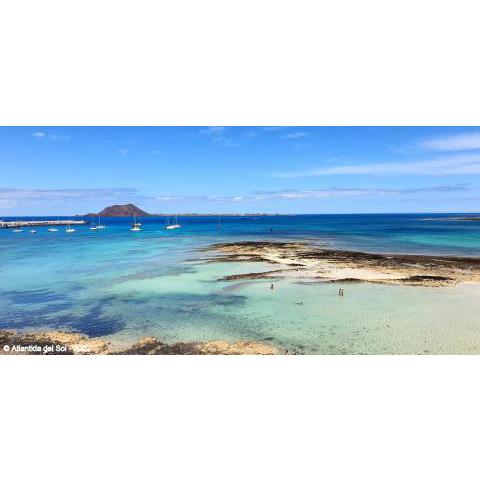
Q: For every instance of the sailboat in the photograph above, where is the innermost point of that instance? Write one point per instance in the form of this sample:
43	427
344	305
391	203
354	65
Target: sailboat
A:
174	225
100	226
69	229
93	226
53	229
135	225
33	230
18	229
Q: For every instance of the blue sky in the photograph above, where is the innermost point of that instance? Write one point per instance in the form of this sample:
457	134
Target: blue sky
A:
69	170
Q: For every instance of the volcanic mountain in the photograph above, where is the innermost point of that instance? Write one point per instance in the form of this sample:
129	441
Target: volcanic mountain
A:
120	211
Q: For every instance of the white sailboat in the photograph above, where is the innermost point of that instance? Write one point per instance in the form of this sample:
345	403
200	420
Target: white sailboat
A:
93	226
33	231
135	226
18	229
69	229
53	229
100	226
172	226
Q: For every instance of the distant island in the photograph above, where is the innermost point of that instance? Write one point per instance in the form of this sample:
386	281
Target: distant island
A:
120	211
130	209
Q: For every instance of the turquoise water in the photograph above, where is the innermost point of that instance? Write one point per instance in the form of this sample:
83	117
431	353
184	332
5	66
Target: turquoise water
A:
125	285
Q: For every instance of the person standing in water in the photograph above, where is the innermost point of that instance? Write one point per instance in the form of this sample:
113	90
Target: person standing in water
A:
272	286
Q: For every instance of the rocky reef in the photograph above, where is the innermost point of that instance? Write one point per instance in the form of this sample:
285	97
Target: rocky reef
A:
65	343
313	263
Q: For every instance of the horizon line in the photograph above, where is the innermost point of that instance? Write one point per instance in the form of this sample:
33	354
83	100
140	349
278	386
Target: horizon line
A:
249	214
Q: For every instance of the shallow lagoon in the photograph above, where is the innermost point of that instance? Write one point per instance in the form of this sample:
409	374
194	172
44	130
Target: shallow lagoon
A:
124	286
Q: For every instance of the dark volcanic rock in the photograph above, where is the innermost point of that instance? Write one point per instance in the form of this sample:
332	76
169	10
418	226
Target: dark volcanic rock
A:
120	211
244	276
428	278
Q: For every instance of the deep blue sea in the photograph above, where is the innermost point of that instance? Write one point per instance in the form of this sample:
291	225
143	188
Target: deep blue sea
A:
124	285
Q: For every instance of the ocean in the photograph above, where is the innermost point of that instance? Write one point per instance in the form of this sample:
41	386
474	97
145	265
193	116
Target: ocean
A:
125	285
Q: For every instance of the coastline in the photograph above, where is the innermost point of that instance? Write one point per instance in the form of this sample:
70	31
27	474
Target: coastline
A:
300	263
67	343
308	262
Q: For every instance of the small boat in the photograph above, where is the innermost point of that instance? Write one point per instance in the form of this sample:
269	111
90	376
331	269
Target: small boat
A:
33	231
100	226
174	225
69	229
16	230
218	224
135	226
53	229
93	226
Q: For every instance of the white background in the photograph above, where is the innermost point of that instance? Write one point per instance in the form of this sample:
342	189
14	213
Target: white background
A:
239	63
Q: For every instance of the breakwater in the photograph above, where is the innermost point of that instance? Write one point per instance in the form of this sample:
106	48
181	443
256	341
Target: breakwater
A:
39	223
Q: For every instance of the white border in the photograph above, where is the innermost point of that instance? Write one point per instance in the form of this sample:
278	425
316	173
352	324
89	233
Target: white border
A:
255	62
240	417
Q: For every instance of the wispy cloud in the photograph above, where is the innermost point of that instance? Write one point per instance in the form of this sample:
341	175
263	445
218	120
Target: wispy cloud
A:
171	198
222	141
292	194
74	198
13	197
462	141
349	192
123	151
212	131
294	135
53	137
451	165
219	138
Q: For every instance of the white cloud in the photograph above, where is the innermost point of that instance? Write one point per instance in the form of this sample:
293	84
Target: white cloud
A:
294	135
452	165
348	192
5	204
16	197
169	198
463	141
123	151
319	193
53	137
218	137
213	131
222	141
